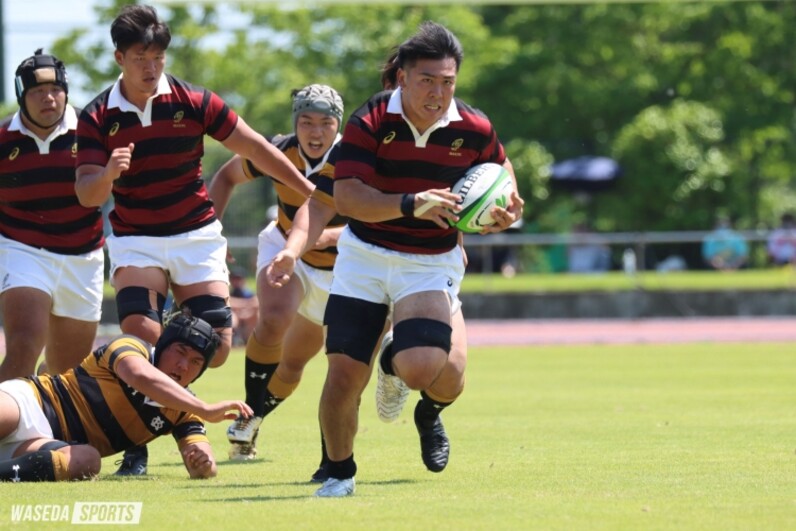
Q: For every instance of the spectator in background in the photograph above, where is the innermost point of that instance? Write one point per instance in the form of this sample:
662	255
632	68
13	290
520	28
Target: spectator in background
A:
782	241
588	253
244	306
725	249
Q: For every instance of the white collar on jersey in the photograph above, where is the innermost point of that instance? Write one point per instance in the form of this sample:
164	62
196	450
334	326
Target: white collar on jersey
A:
117	100
395	106
68	123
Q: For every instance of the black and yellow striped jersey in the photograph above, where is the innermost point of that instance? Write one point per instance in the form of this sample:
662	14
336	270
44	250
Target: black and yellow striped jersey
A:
289	200
92	405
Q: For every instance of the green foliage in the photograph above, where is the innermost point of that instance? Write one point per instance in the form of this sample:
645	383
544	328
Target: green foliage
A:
673	164
558	81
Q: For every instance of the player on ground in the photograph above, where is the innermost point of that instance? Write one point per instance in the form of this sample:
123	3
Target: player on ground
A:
51	258
126	393
142	140
289	329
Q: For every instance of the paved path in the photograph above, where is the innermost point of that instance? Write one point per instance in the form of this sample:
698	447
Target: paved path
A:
622	331
607	331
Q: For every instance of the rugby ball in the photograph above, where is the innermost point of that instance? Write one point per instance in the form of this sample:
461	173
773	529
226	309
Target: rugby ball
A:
483	187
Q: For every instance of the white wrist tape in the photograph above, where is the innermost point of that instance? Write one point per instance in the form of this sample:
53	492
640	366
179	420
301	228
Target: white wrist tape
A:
431	200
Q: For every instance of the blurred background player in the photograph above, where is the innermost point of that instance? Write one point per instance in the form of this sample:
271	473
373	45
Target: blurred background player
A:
289	329
243	302
55	428
51	258
142	140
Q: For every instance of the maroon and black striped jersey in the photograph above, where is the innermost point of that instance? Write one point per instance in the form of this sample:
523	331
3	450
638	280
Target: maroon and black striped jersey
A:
380	148
163	192
38	204
288	200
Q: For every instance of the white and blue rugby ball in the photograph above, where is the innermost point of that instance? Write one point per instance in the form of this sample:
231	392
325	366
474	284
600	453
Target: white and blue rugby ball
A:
482	188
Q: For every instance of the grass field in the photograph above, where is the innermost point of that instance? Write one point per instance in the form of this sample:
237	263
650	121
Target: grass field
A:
603	437
772	278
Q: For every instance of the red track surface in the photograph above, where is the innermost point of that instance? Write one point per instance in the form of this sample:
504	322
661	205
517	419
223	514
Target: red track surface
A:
608	331
618	331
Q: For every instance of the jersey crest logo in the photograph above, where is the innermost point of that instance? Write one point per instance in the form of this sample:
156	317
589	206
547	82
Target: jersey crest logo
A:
114	129
455	145
157	423
74	150
178	116
14	153
389	138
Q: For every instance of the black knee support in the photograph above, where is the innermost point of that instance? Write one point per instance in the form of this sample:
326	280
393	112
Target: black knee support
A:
137	300
210	308
353	326
53	446
420	332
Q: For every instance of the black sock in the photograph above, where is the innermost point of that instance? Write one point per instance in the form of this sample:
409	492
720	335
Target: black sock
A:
256	383
428	410
270	402
35	466
386	360
137	450
324	455
344	469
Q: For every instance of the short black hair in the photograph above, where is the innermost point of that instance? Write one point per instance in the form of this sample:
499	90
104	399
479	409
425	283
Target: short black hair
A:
432	41
139	24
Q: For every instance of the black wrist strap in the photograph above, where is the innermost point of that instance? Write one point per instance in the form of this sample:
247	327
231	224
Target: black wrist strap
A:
408	205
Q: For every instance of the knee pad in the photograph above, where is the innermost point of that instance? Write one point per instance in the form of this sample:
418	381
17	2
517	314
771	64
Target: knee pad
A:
210	308
353	326
136	300
420	332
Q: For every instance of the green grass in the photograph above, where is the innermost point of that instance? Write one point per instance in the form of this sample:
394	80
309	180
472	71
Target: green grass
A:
753	279
604	437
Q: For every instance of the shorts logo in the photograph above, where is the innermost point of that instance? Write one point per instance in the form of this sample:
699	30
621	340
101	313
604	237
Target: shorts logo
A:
389	138
450	282
14	153
114	129
5	281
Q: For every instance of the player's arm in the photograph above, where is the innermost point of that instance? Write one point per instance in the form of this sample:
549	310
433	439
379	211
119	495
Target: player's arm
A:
224	182
199	460
328	238
94	183
506	217
355	199
251	145
308	224
138	373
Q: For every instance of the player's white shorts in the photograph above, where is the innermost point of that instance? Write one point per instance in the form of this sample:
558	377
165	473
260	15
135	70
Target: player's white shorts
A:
73	282
375	274
32	422
196	256
316	282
